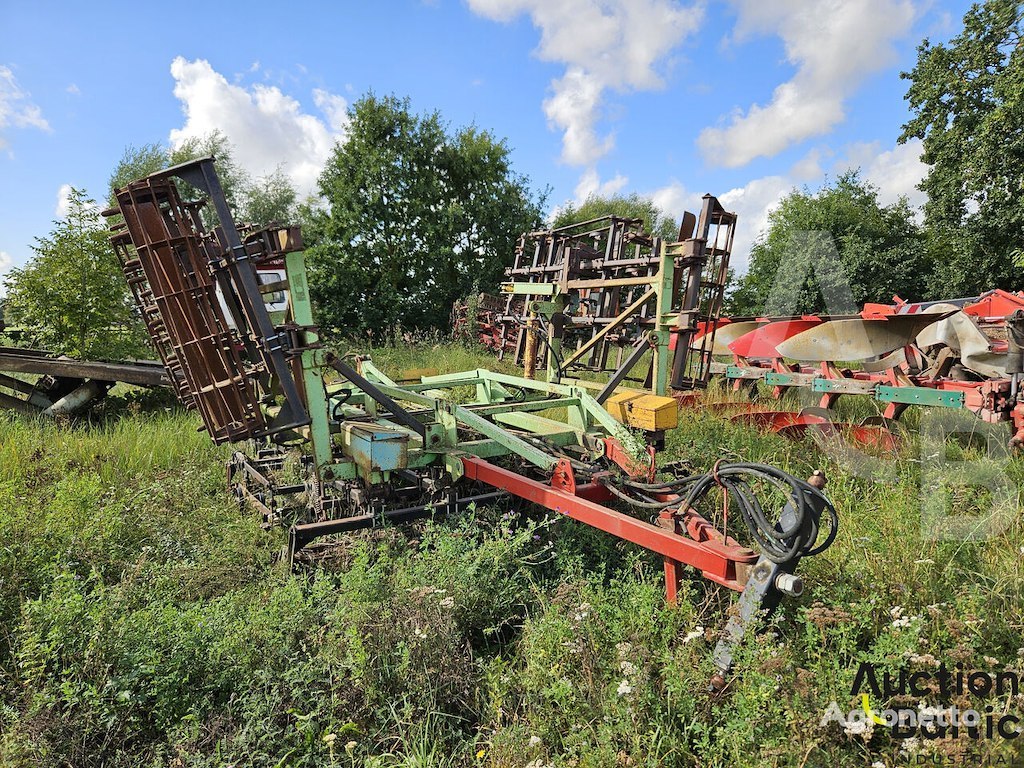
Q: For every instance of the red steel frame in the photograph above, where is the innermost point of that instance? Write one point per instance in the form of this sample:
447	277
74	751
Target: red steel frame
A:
718	557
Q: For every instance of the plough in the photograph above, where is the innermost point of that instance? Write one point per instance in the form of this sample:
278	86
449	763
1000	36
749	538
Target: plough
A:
963	353
605	288
373	452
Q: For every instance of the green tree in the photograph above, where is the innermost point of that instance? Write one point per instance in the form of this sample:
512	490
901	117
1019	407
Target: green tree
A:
233	179
270	200
71	296
267	200
135	163
415	217
631	206
967	99
838	242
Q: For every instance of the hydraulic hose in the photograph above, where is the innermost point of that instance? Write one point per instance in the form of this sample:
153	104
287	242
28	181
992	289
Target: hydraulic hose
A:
780	538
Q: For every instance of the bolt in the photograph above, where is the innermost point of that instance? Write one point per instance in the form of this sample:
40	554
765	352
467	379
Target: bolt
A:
789	584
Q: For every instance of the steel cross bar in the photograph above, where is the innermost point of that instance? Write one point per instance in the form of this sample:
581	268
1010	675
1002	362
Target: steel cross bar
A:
487	428
716	561
398	413
615	323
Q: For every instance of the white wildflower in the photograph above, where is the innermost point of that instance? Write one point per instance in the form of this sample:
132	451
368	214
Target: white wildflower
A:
858	726
624	688
582	612
691	636
627	668
535	741
991	661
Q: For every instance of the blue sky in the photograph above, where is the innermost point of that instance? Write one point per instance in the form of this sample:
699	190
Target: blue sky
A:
744	99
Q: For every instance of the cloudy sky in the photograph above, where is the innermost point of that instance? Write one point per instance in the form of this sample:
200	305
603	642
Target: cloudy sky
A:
741	98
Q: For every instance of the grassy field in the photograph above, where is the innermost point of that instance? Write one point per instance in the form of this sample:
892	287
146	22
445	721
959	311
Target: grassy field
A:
144	622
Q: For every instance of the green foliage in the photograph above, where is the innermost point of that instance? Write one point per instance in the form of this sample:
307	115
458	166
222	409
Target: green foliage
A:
832	250
135	163
624	206
967	99
71	296
416	216
267	200
270	200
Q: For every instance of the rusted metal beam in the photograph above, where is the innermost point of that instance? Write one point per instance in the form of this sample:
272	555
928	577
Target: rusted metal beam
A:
147	374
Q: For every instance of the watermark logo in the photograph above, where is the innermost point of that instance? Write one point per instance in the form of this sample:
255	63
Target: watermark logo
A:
984	722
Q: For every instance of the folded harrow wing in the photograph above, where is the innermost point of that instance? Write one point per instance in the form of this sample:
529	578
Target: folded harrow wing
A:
373	451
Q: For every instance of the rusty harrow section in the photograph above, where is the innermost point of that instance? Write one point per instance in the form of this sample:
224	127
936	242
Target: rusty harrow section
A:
199	312
604	296
595	252
131	266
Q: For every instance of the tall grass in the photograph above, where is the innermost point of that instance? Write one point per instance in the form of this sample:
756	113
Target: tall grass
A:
145	623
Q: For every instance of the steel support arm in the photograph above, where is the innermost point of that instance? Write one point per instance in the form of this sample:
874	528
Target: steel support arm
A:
715	560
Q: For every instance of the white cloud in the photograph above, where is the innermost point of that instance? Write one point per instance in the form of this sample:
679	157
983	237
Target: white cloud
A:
590	184
6	262
266	127
74	90
16	110
674	198
752	203
63	207
896	172
809	166
834	45
334	107
604	44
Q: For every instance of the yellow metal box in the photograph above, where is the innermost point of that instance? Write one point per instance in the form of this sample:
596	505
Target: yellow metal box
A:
618	404
652	413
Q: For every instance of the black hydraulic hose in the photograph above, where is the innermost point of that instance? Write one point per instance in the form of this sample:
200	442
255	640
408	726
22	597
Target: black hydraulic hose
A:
779	542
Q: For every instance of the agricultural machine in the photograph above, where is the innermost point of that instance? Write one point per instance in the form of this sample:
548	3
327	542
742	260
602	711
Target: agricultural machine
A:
961	354
373	451
589	296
